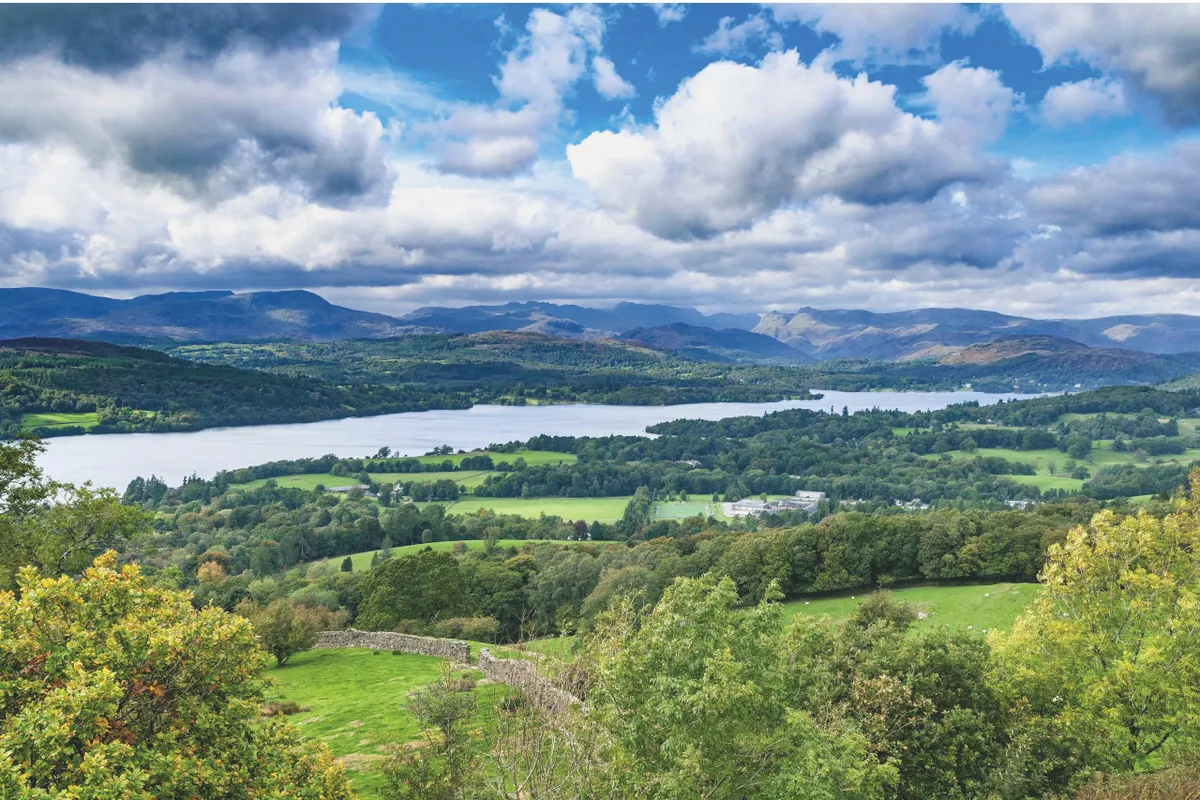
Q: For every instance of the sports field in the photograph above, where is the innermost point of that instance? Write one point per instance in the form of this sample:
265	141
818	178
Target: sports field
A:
685	509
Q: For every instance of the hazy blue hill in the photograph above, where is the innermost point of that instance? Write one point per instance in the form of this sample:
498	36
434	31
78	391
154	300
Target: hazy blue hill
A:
186	316
935	332
594	321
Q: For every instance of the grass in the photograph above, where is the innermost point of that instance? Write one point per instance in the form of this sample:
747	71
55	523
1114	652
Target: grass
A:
979	607
85	420
356	703
1102	456
468	478
588	509
533	458
1045	482
685	509
901	431
362	561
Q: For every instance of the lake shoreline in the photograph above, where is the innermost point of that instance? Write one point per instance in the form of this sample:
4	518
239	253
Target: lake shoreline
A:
115	459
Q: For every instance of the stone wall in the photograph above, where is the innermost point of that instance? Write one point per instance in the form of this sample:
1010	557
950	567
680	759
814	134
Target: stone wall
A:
459	652
524	675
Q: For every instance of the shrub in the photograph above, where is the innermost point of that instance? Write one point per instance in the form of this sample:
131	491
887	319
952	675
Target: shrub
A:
480	629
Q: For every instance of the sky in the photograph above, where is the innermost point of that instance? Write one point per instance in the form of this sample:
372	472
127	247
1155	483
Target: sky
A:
1038	160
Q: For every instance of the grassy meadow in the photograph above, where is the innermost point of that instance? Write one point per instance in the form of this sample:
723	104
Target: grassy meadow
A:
355	703
85	420
1102	455
588	509
977	607
362	561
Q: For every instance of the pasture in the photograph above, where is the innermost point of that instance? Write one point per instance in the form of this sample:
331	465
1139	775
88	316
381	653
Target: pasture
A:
1049	462
989	607
355	703
362	561
468	478
588	509
85	420
533	458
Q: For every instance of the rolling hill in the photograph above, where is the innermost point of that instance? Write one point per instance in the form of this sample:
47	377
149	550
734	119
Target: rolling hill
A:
187	316
728	345
934	332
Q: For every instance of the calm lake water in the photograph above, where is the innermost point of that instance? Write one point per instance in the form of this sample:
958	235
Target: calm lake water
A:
115	459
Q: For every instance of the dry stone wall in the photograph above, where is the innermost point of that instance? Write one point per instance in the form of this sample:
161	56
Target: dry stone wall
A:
459	652
524	675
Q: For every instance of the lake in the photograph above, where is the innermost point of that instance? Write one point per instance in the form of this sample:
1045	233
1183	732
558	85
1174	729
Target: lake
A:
115	459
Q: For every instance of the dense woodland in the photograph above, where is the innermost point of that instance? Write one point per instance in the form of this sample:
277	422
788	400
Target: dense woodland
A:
131	389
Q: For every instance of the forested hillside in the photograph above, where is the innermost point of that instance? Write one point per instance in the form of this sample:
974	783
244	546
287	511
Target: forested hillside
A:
61	387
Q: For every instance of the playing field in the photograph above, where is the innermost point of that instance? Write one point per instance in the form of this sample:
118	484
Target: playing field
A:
84	420
683	510
356	703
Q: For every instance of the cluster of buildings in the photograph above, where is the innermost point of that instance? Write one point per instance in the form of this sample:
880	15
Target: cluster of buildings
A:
752	507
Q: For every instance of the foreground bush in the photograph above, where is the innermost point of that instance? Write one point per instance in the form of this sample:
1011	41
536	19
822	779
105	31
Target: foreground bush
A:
111	688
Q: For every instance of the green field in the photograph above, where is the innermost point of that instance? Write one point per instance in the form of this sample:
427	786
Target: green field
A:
978	607
1102	455
683	510
588	509
533	458
468	478
362	561
1045	482
87	419
356	702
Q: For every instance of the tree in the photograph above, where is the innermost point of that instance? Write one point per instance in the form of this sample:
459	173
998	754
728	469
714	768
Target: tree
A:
423	587
113	688
695	699
1108	656
283	628
54	527
442	767
347	564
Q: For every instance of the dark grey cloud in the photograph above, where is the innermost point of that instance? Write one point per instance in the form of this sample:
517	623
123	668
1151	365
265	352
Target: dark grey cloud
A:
121	36
215	129
1127	195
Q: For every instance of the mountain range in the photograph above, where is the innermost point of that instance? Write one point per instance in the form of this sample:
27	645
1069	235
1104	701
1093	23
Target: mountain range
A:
808	335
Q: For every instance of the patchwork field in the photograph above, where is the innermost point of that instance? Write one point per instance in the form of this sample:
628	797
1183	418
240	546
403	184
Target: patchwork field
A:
1102	455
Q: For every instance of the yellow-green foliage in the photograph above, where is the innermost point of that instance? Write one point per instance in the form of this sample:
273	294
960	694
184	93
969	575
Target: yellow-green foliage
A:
111	689
1109	655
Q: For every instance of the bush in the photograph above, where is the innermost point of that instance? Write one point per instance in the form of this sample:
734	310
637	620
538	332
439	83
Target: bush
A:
480	629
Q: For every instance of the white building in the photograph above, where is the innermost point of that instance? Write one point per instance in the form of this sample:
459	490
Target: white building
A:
809	497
